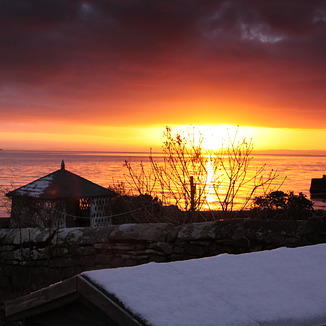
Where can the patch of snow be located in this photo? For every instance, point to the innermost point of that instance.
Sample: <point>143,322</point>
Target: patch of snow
<point>278,287</point>
<point>36,188</point>
<point>126,227</point>
<point>71,233</point>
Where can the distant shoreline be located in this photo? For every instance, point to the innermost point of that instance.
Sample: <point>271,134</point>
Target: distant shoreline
<point>290,152</point>
<point>255,152</point>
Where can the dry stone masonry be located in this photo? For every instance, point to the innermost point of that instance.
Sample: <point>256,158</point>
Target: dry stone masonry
<point>31,258</point>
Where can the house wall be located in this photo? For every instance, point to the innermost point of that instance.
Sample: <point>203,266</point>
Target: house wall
<point>31,258</point>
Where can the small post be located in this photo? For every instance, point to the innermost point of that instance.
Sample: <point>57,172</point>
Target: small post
<point>192,194</point>
<point>62,165</point>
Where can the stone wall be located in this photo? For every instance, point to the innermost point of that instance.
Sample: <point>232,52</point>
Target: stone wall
<point>33,258</point>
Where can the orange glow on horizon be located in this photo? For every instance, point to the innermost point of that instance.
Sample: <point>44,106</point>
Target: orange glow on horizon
<point>263,139</point>
<point>142,138</point>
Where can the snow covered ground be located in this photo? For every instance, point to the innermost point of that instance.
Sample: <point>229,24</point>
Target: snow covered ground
<point>277,287</point>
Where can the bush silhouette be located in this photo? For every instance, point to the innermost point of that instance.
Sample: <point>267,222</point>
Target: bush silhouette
<point>285,204</point>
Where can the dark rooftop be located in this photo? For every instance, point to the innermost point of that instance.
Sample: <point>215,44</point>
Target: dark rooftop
<point>61,184</point>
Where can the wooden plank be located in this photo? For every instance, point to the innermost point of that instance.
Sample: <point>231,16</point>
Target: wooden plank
<point>40,297</point>
<point>103,302</point>
<point>72,314</point>
<point>77,288</point>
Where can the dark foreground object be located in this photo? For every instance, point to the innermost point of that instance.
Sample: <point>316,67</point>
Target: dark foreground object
<point>34,258</point>
<point>274,287</point>
<point>75,300</point>
<point>318,187</point>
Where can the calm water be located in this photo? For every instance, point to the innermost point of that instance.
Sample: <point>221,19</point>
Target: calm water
<point>18,168</point>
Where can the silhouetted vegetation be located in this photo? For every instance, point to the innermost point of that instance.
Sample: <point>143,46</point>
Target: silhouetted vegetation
<point>188,171</point>
<point>181,177</point>
<point>279,204</point>
<point>232,174</point>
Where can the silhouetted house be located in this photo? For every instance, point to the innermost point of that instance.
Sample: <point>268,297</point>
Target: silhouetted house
<point>60,199</point>
<point>318,187</point>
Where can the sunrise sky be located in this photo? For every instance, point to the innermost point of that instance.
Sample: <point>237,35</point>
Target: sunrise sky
<point>110,75</point>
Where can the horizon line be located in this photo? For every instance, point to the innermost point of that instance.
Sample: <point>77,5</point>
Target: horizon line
<point>254,152</point>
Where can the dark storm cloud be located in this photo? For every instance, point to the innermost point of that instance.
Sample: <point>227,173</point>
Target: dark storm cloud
<point>50,34</point>
<point>76,49</point>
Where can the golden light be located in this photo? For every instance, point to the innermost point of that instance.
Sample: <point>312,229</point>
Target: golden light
<point>145,137</point>
<point>263,139</point>
<point>216,136</point>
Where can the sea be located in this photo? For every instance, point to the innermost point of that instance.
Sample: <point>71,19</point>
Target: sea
<point>18,168</point>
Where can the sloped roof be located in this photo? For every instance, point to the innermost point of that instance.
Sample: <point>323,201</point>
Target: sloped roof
<point>74,301</point>
<point>279,287</point>
<point>61,184</point>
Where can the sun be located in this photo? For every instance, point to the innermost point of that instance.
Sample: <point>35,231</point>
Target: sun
<point>213,136</point>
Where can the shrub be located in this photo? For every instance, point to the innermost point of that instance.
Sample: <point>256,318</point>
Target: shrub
<point>280,204</point>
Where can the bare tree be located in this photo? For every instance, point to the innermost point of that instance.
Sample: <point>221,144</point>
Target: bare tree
<point>233,176</point>
<point>183,173</point>
<point>187,172</point>
<point>181,176</point>
<point>140,179</point>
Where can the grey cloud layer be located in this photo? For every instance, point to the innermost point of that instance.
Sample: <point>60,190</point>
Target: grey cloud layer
<point>69,48</point>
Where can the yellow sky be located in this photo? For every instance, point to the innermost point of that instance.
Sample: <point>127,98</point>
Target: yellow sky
<point>142,138</point>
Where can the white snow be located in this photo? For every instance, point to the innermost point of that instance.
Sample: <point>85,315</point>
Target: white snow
<point>35,188</point>
<point>72,233</point>
<point>278,287</point>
